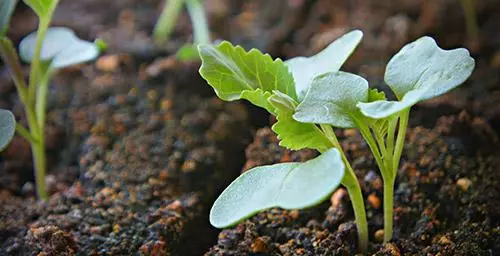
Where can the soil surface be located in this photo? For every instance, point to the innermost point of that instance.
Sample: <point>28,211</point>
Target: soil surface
<point>138,147</point>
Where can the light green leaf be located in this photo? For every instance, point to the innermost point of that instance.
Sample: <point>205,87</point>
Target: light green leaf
<point>6,9</point>
<point>188,52</point>
<point>423,64</point>
<point>419,71</point>
<point>382,108</point>
<point>292,134</point>
<point>7,128</point>
<point>40,7</point>
<point>375,95</point>
<point>332,100</point>
<point>231,71</point>
<point>330,59</point>
<point>60,46</point>
<point>286,185</point>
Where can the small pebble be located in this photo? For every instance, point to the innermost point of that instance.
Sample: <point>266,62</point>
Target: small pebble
<point>379,235</point>
<point>374,201</point>
<point>108,63</point>
<point>464,184</point>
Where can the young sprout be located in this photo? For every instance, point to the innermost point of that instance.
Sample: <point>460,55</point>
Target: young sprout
<point>167,22</point>
<point>236,74</point>
<point>47,49</point>
<point>420,71</point>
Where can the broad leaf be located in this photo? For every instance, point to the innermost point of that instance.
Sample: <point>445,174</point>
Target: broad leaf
<point>332,100</point>
<point>305,69</point>
<point>7,127</point>
<point>236,74</point>
<point>419,71</point>
<point>292,134</point>
<point>286,185</point>
<point>423,64</point>
<point>382,108</point>
<point>6,9</point>
<point>61,47</point>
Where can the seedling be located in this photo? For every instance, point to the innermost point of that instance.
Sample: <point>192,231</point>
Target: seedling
<point>311,101</point>
<point>237,74</point>
<point>168,20</point>
<point>419,71</point>
<point>47,49</point>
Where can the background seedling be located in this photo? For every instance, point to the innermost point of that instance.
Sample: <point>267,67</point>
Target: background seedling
<point>47,49</point>
<point>237,74</point>
<point>168,20</point>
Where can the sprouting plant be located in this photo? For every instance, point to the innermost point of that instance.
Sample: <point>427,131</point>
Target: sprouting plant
<point>47,49</point>
<point>311,101</point>
<point>469,8</point>
<point>168,20</point>
<point>236,74</point>
<point>419,71</point>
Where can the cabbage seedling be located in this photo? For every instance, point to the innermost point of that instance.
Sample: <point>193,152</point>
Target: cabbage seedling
<point>237,74</point>
<point>168,20</point>
<point>419,71</point>
<point>47,49</point>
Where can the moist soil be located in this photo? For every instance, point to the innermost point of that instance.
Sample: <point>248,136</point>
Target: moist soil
<point>139,147</point>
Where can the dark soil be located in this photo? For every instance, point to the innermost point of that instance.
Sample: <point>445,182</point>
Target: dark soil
<point>139,147</point>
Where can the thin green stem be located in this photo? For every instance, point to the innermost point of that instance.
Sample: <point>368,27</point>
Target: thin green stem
<point>167,20</point>
<point>40,166</point>
<point>388,207</point>
<point>10,57</point>
<point>391,130</point>
<point>368,136</point>
<point>35,72</point>
<point>351,183</point>
<point>25,133</point>
<point>199,20</point>
<point>41,99</point>
<point>469,7</point>
<point>400,141</point>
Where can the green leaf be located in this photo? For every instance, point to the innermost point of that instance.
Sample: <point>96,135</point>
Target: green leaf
<point>285,185</point>
<point>382,108</point>
<point>7,128</point>
<point>188,52</point>
<point>375,95</point>
<point>61,47</point>
<point>40,7</point>
<point>292,134</point>
<point>305,69</point>
<point>6,9</point>
<point>332,100</point>
<point>423,64</point>
<point>419,71</point>
<point>231,71</point>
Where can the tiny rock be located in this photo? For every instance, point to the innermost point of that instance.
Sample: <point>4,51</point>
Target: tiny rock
<point>464,183</point>
<point>108,63</point>
<point>260,245</point>
<point>374,201</point>
<point>337,197</point>
<point>379,235</point>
